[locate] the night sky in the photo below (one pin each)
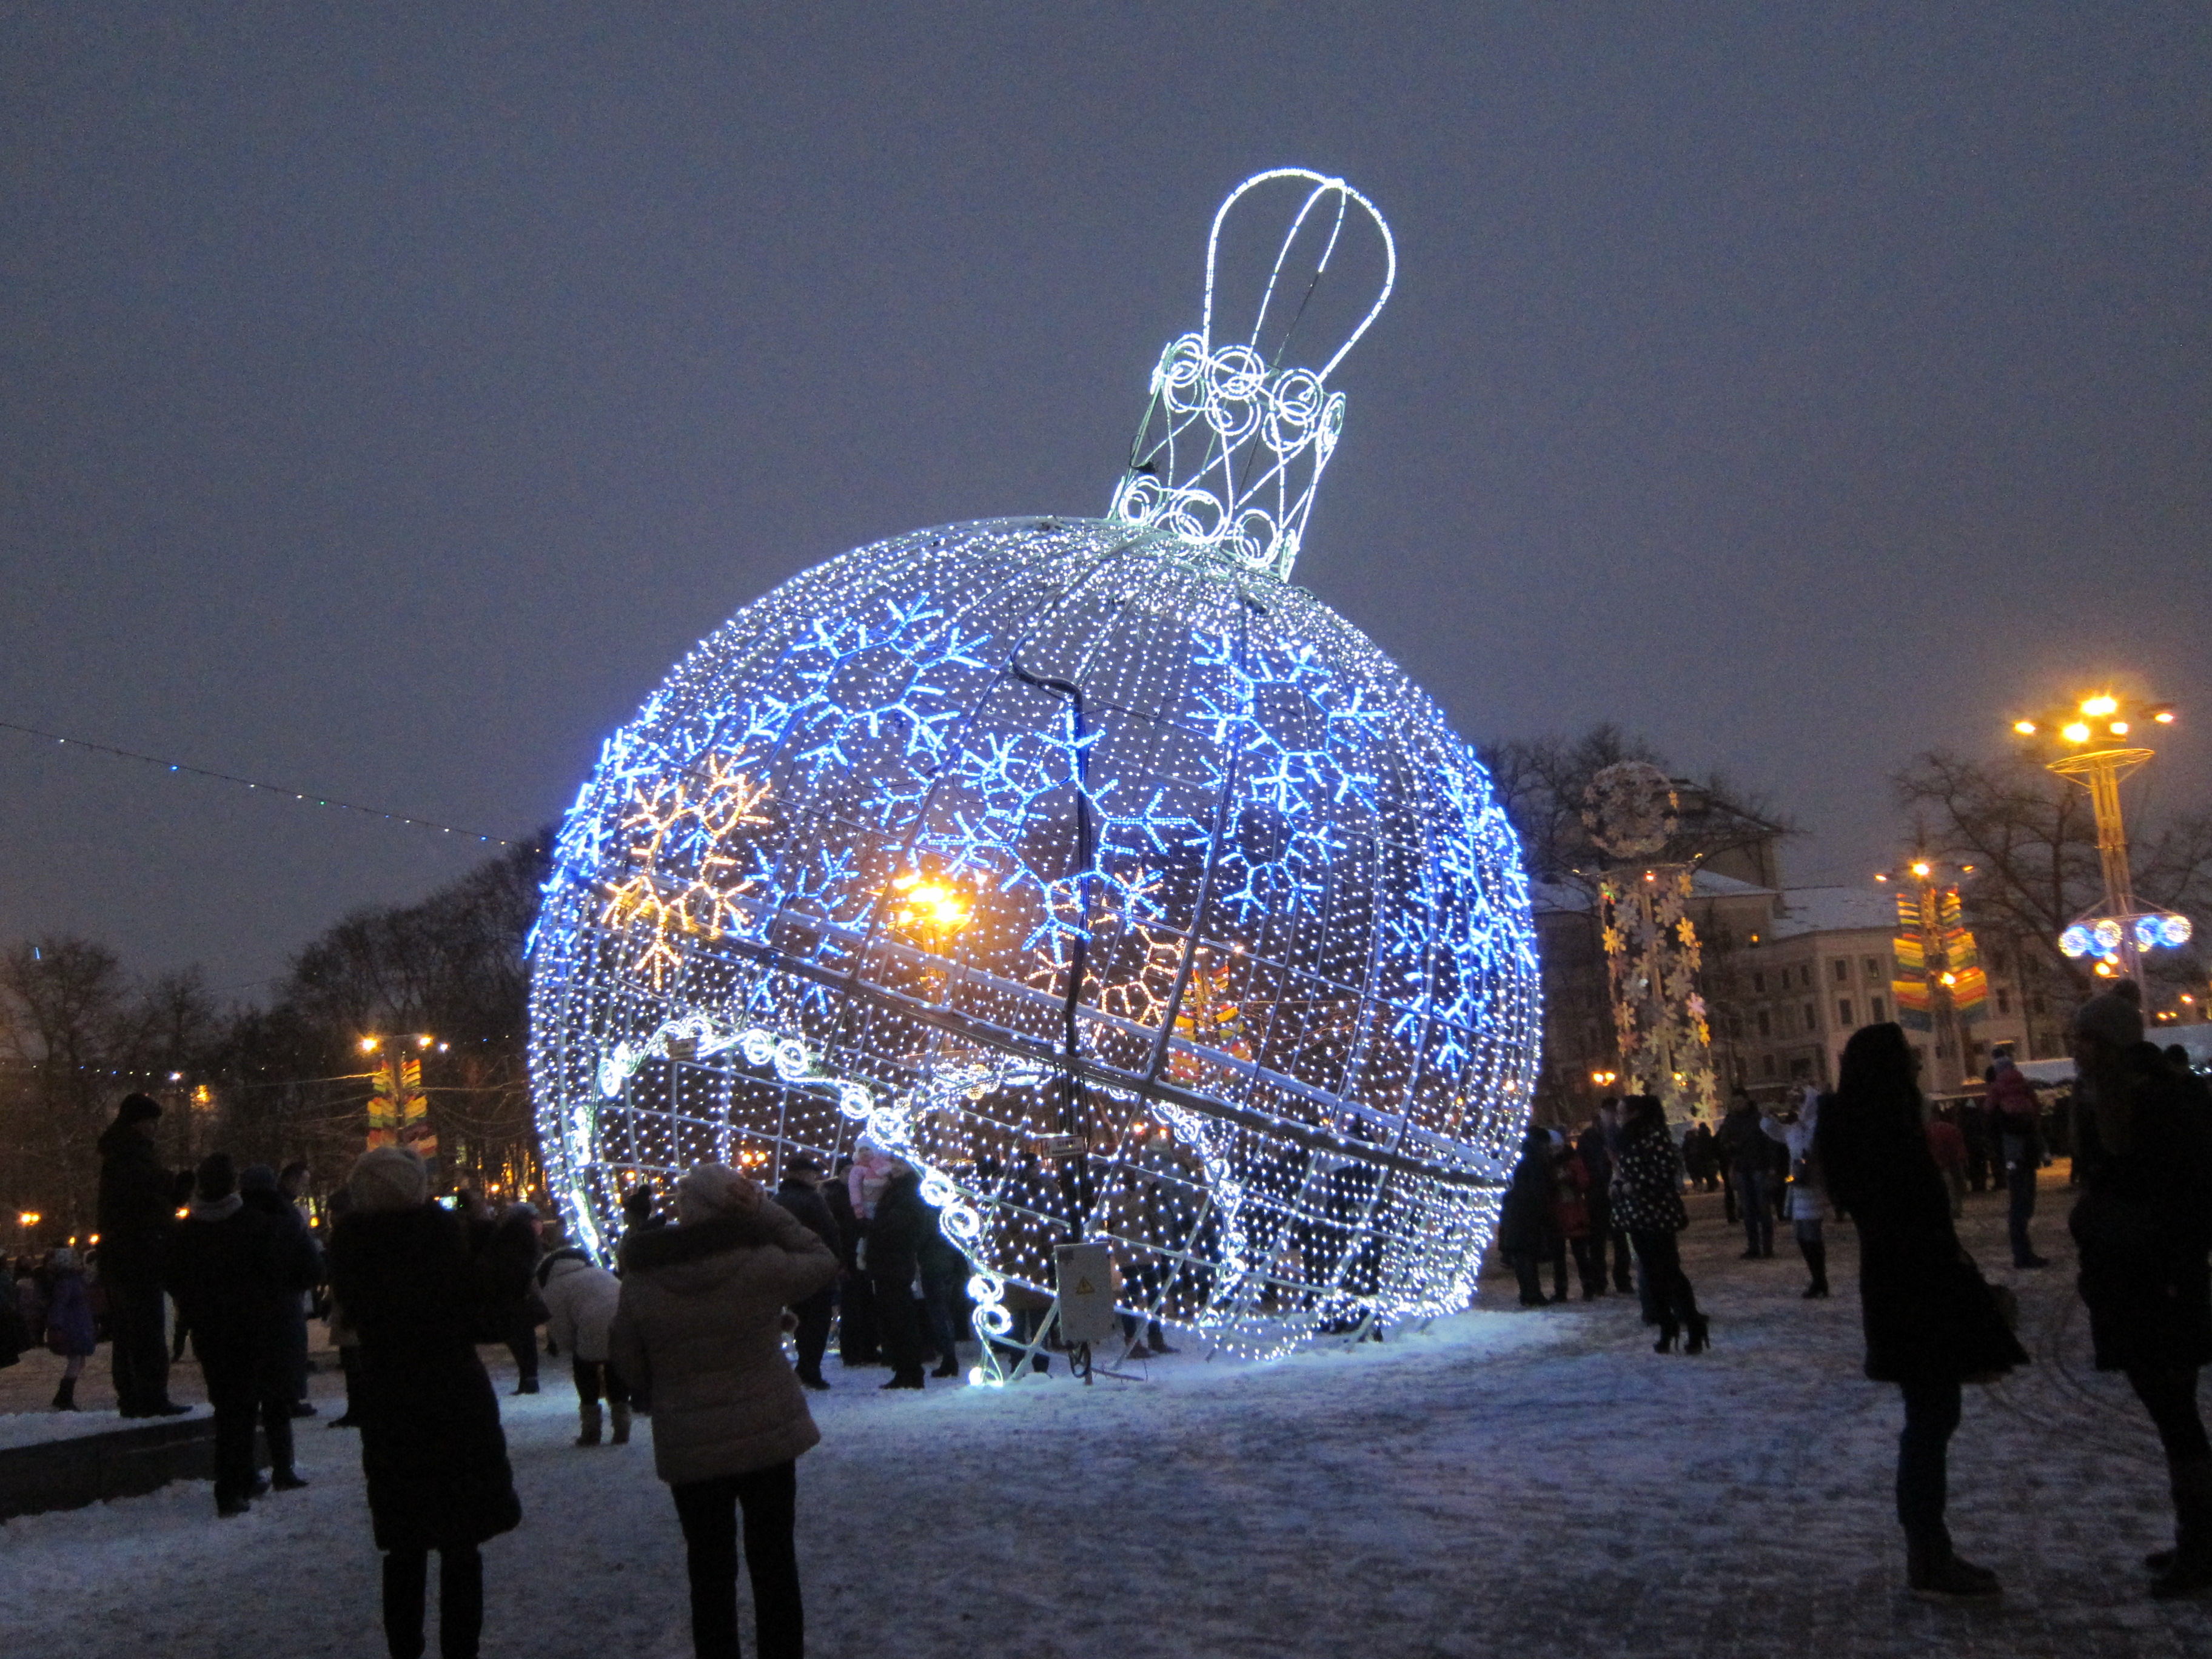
(389, 395)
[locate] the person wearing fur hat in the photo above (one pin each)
(407, 1274)
(700, 1323)
(579, 1297)
(138, 1209)
(2142, 1225)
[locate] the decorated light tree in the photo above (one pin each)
(1651, 950)
(1126, 890)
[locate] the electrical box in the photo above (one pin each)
(1086, 1293)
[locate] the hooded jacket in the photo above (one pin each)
(581, 1297)
(699, 1327)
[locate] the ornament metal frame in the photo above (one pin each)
(1122, 888)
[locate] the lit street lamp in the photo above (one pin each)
(2098, 742)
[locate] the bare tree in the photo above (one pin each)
(66, 1031)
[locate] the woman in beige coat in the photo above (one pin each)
(700, 1325)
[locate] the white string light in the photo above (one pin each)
(1241, 442)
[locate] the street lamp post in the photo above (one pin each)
(2099, 743)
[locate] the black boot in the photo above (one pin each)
(1700, 1334)
(2188, 1568)
(1669, 1334)
(910, 1378)
(1815, 1253)
(1933, 1569)
(65, 1395)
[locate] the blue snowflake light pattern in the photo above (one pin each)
(1124, 889)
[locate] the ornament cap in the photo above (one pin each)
(1234, 440)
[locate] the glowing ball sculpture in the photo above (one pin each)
(1125, 889)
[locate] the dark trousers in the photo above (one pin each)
(940, 1304)
(708, 1512)
(898, 1323)
(1590, 1262)
(460, 1602)
(522, 1343)
(1756, 1202)
(857, 1341)
(1623, 1280)
(598, 1378)
(2020, 1198)
(1665, 1283)
(241, 1399)
(1931, 1414)
(140, 1356)
(2170, 1396)
(1527, 1267)
(813, 1333)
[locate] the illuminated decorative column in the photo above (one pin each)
(1125, 889)
(2098, 744)
(1651, 949)
(1940, 987)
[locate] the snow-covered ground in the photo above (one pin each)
(1507, 1483)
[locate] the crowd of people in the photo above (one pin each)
(2138, 1122)
(688, 1325)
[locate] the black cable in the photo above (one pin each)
(273, 789)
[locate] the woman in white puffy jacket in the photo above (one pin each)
(1807, 1201)
(580, 1301)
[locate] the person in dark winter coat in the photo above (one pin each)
(1525, 1225)
(71, 1331)
(406, 1275)
(1647, 1197)
(1596, 1147)
(858, 1340)
(2013, 1109)
(230, 1267)
(800, 1192)
(700, 1323)
(259, 1186)
(509, 1249)
(137, 1208)
(2143, 1225)
(894, 1237)
(1750, 1158)
(1931, 1322)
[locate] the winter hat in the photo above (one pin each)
(708, 1191)
(217, 1178)
(138, 1109)
(801, 1165)
(64, 1260)
(388, 1178)
(2111, 1018)
(257, 1178)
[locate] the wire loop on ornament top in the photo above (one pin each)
(1233, 444)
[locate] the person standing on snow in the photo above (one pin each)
(407, 1274)
(71, 1331)
(2013, 1104)
(509, 1247)
(2143, 1226)
(898, 1224)
(700, 1323)
(1595, 1146)
(1796, 1134)
(1647, 1197)
(138, 1209)
(579, 1299)
(800, 1192)
(261, 1189)
(1750, 1167)
(230, 1268)
(1931, 1322)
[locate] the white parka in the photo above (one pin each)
(580, 1304)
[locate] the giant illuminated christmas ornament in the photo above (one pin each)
(1127, 891)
